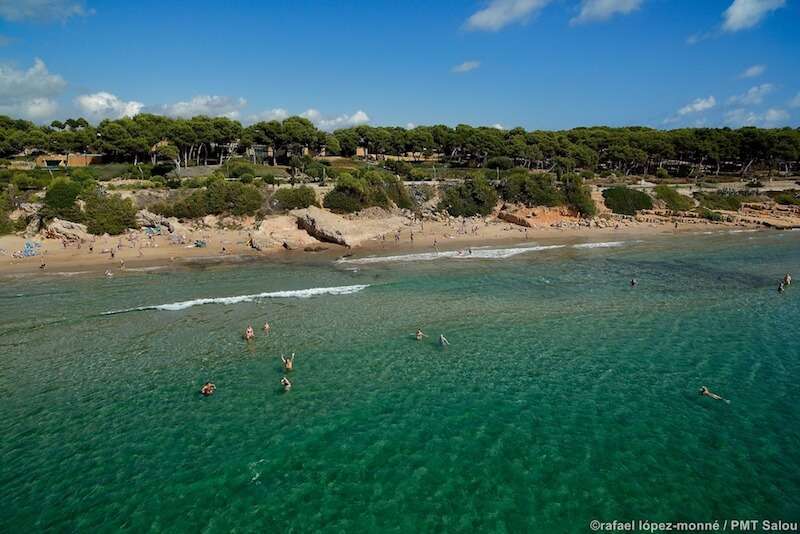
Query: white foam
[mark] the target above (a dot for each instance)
(477, 254)
(298, 294)
(603, 244)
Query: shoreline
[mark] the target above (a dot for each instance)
(163, 256)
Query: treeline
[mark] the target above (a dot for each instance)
(630, 150)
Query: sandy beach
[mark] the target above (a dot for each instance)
(135, 252)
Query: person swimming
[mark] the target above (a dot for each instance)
(208, 389)
(634, 282)
(781, 287)
(704, 391)
(419, 335)
(109, 274)
(249, 333)
(787, 280)
(266, 327)
(443, 340)
(286, 384)
(288, 363)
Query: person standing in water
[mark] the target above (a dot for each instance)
(787, 280)
(288, 363)
(208, 389)
(266, 327)
(704, 391)
(634, 282)
(249, 333)
(286, 384)
(443, 340)
(781, 287)
(419, 335)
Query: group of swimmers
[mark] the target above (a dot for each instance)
(442, 340)
(786, 282)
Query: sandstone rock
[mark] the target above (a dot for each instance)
(146, 218)
(59, 229)
(513, 218)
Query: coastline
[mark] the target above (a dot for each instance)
(161, 255)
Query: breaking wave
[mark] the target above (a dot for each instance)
(604, 244)
(477, 253)
(298, 294)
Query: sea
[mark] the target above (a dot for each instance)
(565, 396)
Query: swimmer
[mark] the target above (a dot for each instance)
(705, 391)
(419, 335)
(781, 287)
(122, 264)
(443, 340)
(208, 389)
(109, 274)
(249, 333)
(286, 384)
(787, 280)
(266, 327)
(634, 282)
(288, 363)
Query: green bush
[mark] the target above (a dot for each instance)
(295, 198)
(790, 198)
(577, 195)
(501, 162)
(674, 200)
(269, 179)
(237, 168)
(403, 168)
(662, 174)
(247, 178)
(532, 190)
(710, 215)
(217, 198)
(473, 197)
(626, 201)
(60, 200)
(719, 201)
(587, 175)
(6, 226)
(109, 214)
(368, 187)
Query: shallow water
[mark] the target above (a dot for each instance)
(565, 395)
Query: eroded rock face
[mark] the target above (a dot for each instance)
(513, 218)
(281, 232)
(332, 228)
(60, 229)
(146, 218)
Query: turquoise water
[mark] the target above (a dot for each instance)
(565, 395)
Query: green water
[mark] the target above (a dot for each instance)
(565, 396)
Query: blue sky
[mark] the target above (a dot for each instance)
(539, 64)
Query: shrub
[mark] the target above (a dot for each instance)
(60, 200)
(791, 198)
(237, 168)
(341, 202)
(295, 198)
(710, 215)
(587, 174)
(403, 168)
(367, 188)
(247, 178)
(501, 162)
(232, 197)
(109, 214)
(578, 196)
(6, 226)
(674, 200)
(473, 197)
(269, 179)
(662, 174)
(719, 201)
(626, 201)
(539, 190)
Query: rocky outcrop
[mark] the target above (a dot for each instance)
(332, 228)
(61, 230)
(513, 218)
(281, 232)
(145, 218)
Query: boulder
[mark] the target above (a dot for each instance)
(513, 218)
(59, 229)
(34, 225)
(281, 231)
(146, 218)
(332, 228)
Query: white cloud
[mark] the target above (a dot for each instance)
(274, 114)
(743, 14)
(498, 126)
(466, 67)
(699, 104)
(410, 126)
(753, 96)
(208, 105)
(500, 13)
(29, 93)
(754, 71)
(795, 102)
(107, 106)
(342, 121)
(742, 117)
(42, 10)
(598, 10)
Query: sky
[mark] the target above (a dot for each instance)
(538, 64)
